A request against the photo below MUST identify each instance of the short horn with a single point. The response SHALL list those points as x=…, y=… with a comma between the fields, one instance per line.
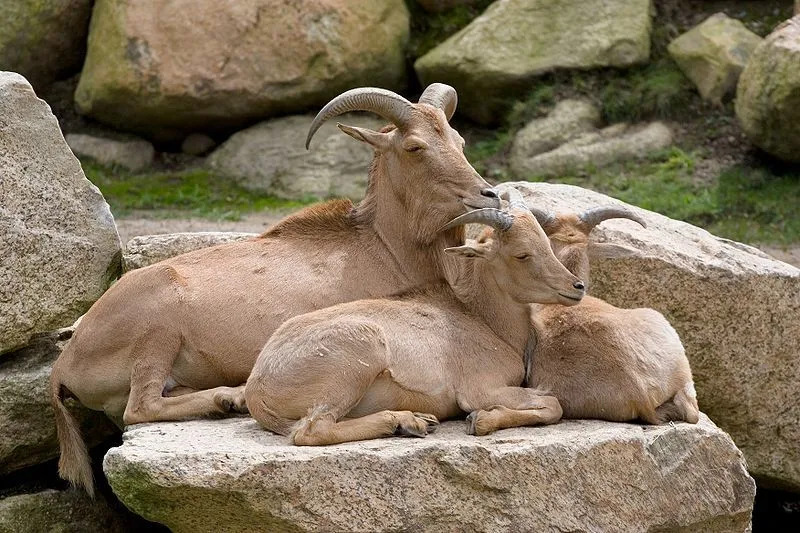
x=499, y=220
x=442, y=97
x=596, y=215
x=514, y=198
x=387, y=104
x=543, y=216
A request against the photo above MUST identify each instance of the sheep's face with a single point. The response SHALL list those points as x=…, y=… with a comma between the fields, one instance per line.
x=426, y=169
x=569, y=239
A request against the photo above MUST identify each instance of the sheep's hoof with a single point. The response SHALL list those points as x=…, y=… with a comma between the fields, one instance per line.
x=471, y=421
x=415, y=424
x=477, y=423
x=231, y=400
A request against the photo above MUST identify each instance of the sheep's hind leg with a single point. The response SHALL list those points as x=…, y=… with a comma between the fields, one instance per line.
x=321, y=428
x=514, y=407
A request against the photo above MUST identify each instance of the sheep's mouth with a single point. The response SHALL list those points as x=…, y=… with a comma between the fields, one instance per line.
x=481, y=202
x=570, y=297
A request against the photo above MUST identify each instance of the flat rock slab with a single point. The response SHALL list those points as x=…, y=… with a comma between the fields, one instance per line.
x=146, y=250
x=231, y=475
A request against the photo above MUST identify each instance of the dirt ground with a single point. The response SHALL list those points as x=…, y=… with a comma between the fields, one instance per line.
x=134, y=225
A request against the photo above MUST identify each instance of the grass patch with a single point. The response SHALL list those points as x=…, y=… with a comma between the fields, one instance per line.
x=195, y=192
x=744, y=203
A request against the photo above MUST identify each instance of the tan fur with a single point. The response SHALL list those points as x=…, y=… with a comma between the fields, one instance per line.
x=195, y=323
x=604, y=362
x=381, y=367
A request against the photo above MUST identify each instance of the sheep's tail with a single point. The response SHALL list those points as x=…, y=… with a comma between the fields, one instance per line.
x=74, y=464
x=681, y=407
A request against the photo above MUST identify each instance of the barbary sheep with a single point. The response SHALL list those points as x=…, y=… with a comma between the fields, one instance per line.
x=178, y=339
x=395, y=365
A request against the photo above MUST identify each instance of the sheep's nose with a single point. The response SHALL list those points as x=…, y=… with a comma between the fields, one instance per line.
x=489, y=193
x=579, y=285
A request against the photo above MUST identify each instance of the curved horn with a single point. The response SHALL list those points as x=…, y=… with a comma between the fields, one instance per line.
x=514, y=198
x=442, y=97
x=543, y=216
x=499, y=220
x=594, y=216
x=387, y=104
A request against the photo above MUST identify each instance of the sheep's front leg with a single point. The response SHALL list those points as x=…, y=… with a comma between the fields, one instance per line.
x=513, y=407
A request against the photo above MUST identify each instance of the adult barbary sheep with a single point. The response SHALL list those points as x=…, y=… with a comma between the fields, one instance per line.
x=396, y=365
x=170, y=341
x=601, y=361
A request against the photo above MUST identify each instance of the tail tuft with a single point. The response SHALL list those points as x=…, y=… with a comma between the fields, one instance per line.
x=74, y=465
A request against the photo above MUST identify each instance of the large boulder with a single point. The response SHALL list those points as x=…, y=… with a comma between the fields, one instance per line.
x=167, y=68
x=43, y=41
x=768, y=95
x=59, y=248
x=271, y=158
x=736, y=309
x=231, y=475
x=67, y=511
x=146, y=250
x=27, y=422
x=503, y=51
x=713, y=54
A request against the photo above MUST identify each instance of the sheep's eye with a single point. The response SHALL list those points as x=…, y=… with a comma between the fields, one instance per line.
x=413, y=148
x=522, y=257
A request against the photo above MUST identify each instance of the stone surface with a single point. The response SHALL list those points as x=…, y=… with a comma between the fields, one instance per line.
x=43, y=40
x=54, y=511
x=27, y=422
x=713, y=54
x=197, y=144
x=205, y=63
x=768, y=94
x=134, y=154
x=502, y=51
x=736, y=309
x=230, y=475
x=145, y=250
x=271, y=158
x=616, y=143
x=59, y=248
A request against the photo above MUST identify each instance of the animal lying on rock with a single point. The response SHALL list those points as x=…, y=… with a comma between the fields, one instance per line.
x=375, y=368
x=601, y=361
x=171, y=341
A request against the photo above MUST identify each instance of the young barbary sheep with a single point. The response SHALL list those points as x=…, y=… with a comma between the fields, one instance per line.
x=601, y=361
x=170, y=341
x=394, y=366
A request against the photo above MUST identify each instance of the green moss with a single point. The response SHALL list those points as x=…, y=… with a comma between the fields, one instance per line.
x=194, y=192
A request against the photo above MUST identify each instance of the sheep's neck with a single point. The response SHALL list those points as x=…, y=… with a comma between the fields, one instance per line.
x=476, y=287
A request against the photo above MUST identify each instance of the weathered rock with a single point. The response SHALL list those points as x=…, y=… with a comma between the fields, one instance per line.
x=148, y=249
x=568, y=120
x=27, y=422
x=203, y=63
x=197, y=144
x=231, y=475
x=613, y=144
x=43, y=41
x=53, y=511
x=132, y=153
x=503, y=51
x=736, y=309
x=59, y=248
x=768, y=94
x=271, y=158
x=713, y=54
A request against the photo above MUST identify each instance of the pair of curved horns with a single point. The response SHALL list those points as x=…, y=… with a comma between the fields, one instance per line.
x=591, y=217
x=387, y=104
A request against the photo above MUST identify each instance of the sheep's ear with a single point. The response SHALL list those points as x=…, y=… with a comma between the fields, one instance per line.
x=476, y=250
x=375, y=138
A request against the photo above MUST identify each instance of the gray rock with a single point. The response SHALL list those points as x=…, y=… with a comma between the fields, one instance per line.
x=54, y=511
x=59, y=248
x=145, y=250
x=271, y=158
x=27, y=422
x=197, y=144
x=568, y=120
x=43, y=41
x=713, y=54
x=230, y=475
x=203, y=64
x=768, y=94
x=616, y=143
x=132, y=153
x=736, y=310
x=501, y=52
